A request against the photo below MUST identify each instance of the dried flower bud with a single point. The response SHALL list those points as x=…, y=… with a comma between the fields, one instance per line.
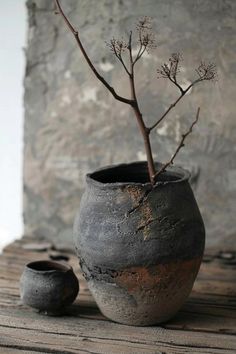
x=172, y=68
x=145, y=36
x=206, y=71
x=144, y=24
x=117, y=46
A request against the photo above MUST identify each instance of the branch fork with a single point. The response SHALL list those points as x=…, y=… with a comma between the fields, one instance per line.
x=170, y=71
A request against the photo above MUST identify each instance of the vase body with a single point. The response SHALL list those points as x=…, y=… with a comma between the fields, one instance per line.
x=48, y=286
x=140, y=247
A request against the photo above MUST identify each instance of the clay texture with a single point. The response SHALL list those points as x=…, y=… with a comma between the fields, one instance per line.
x=48, y=286
x=139, y=247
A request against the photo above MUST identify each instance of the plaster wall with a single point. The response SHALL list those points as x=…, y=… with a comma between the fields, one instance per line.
x=73, y=125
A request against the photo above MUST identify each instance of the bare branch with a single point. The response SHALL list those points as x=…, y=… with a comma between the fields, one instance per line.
x=92, y=67
x=141, y=51
x=130, y=52
x=170, y=108
x=206, y=71
x=168, y=70
x=143, y=129
x=181, y=144
x=146, y=38
x=171, y=70
x=130, y=39
x=118, y=47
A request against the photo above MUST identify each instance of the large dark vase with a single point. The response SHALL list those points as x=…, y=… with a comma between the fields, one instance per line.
x=140, y=247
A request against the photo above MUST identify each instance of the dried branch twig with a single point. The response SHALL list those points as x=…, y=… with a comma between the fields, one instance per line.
x=206, y=72
x=99, y=77
x=169, y=109
x=168, y=70
x=146, y=38
x=117, y=47
x=181, y=144
x=171, y=70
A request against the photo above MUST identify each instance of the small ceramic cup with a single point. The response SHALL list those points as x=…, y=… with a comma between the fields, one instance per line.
x=48, y=286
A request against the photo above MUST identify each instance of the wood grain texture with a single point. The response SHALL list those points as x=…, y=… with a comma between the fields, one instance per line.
x=205, y=324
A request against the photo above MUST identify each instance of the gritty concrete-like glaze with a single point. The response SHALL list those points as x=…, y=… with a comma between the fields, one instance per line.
x=140, y=247
x=48, y=286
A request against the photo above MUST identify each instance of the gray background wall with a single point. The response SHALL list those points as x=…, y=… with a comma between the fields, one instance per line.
x=73, y=125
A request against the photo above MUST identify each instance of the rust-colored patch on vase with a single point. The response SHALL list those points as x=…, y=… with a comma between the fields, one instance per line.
x=148, y=295
x=138, y=199
x=151, y=281
x=136, y=194
x=146, y=219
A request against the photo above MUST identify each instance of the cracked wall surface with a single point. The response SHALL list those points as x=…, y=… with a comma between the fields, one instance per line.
x=73, y=125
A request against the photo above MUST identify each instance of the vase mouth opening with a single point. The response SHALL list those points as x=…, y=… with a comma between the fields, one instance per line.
x=136, y=173
x=48, y=267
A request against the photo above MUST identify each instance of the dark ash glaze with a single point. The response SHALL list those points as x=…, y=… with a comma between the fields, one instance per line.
x=140, y=247
x=48, y=286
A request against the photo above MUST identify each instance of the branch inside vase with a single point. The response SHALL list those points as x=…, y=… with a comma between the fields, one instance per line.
x=123, y=51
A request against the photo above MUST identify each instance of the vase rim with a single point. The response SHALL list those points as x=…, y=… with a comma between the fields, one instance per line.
x=174, y=174
x=47, y=266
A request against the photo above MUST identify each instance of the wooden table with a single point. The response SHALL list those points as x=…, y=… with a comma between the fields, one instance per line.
x=206, y=323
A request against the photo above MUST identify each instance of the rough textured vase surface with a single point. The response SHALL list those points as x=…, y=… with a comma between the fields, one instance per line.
x=48, y=286
x=140, y=248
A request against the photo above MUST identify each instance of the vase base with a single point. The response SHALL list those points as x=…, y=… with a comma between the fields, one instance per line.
x=119, y=306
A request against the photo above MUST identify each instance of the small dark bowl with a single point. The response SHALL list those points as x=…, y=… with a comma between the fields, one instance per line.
x=48, y=286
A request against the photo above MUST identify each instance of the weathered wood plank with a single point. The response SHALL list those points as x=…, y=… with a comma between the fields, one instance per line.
x=102, y=336
x=205, y=324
